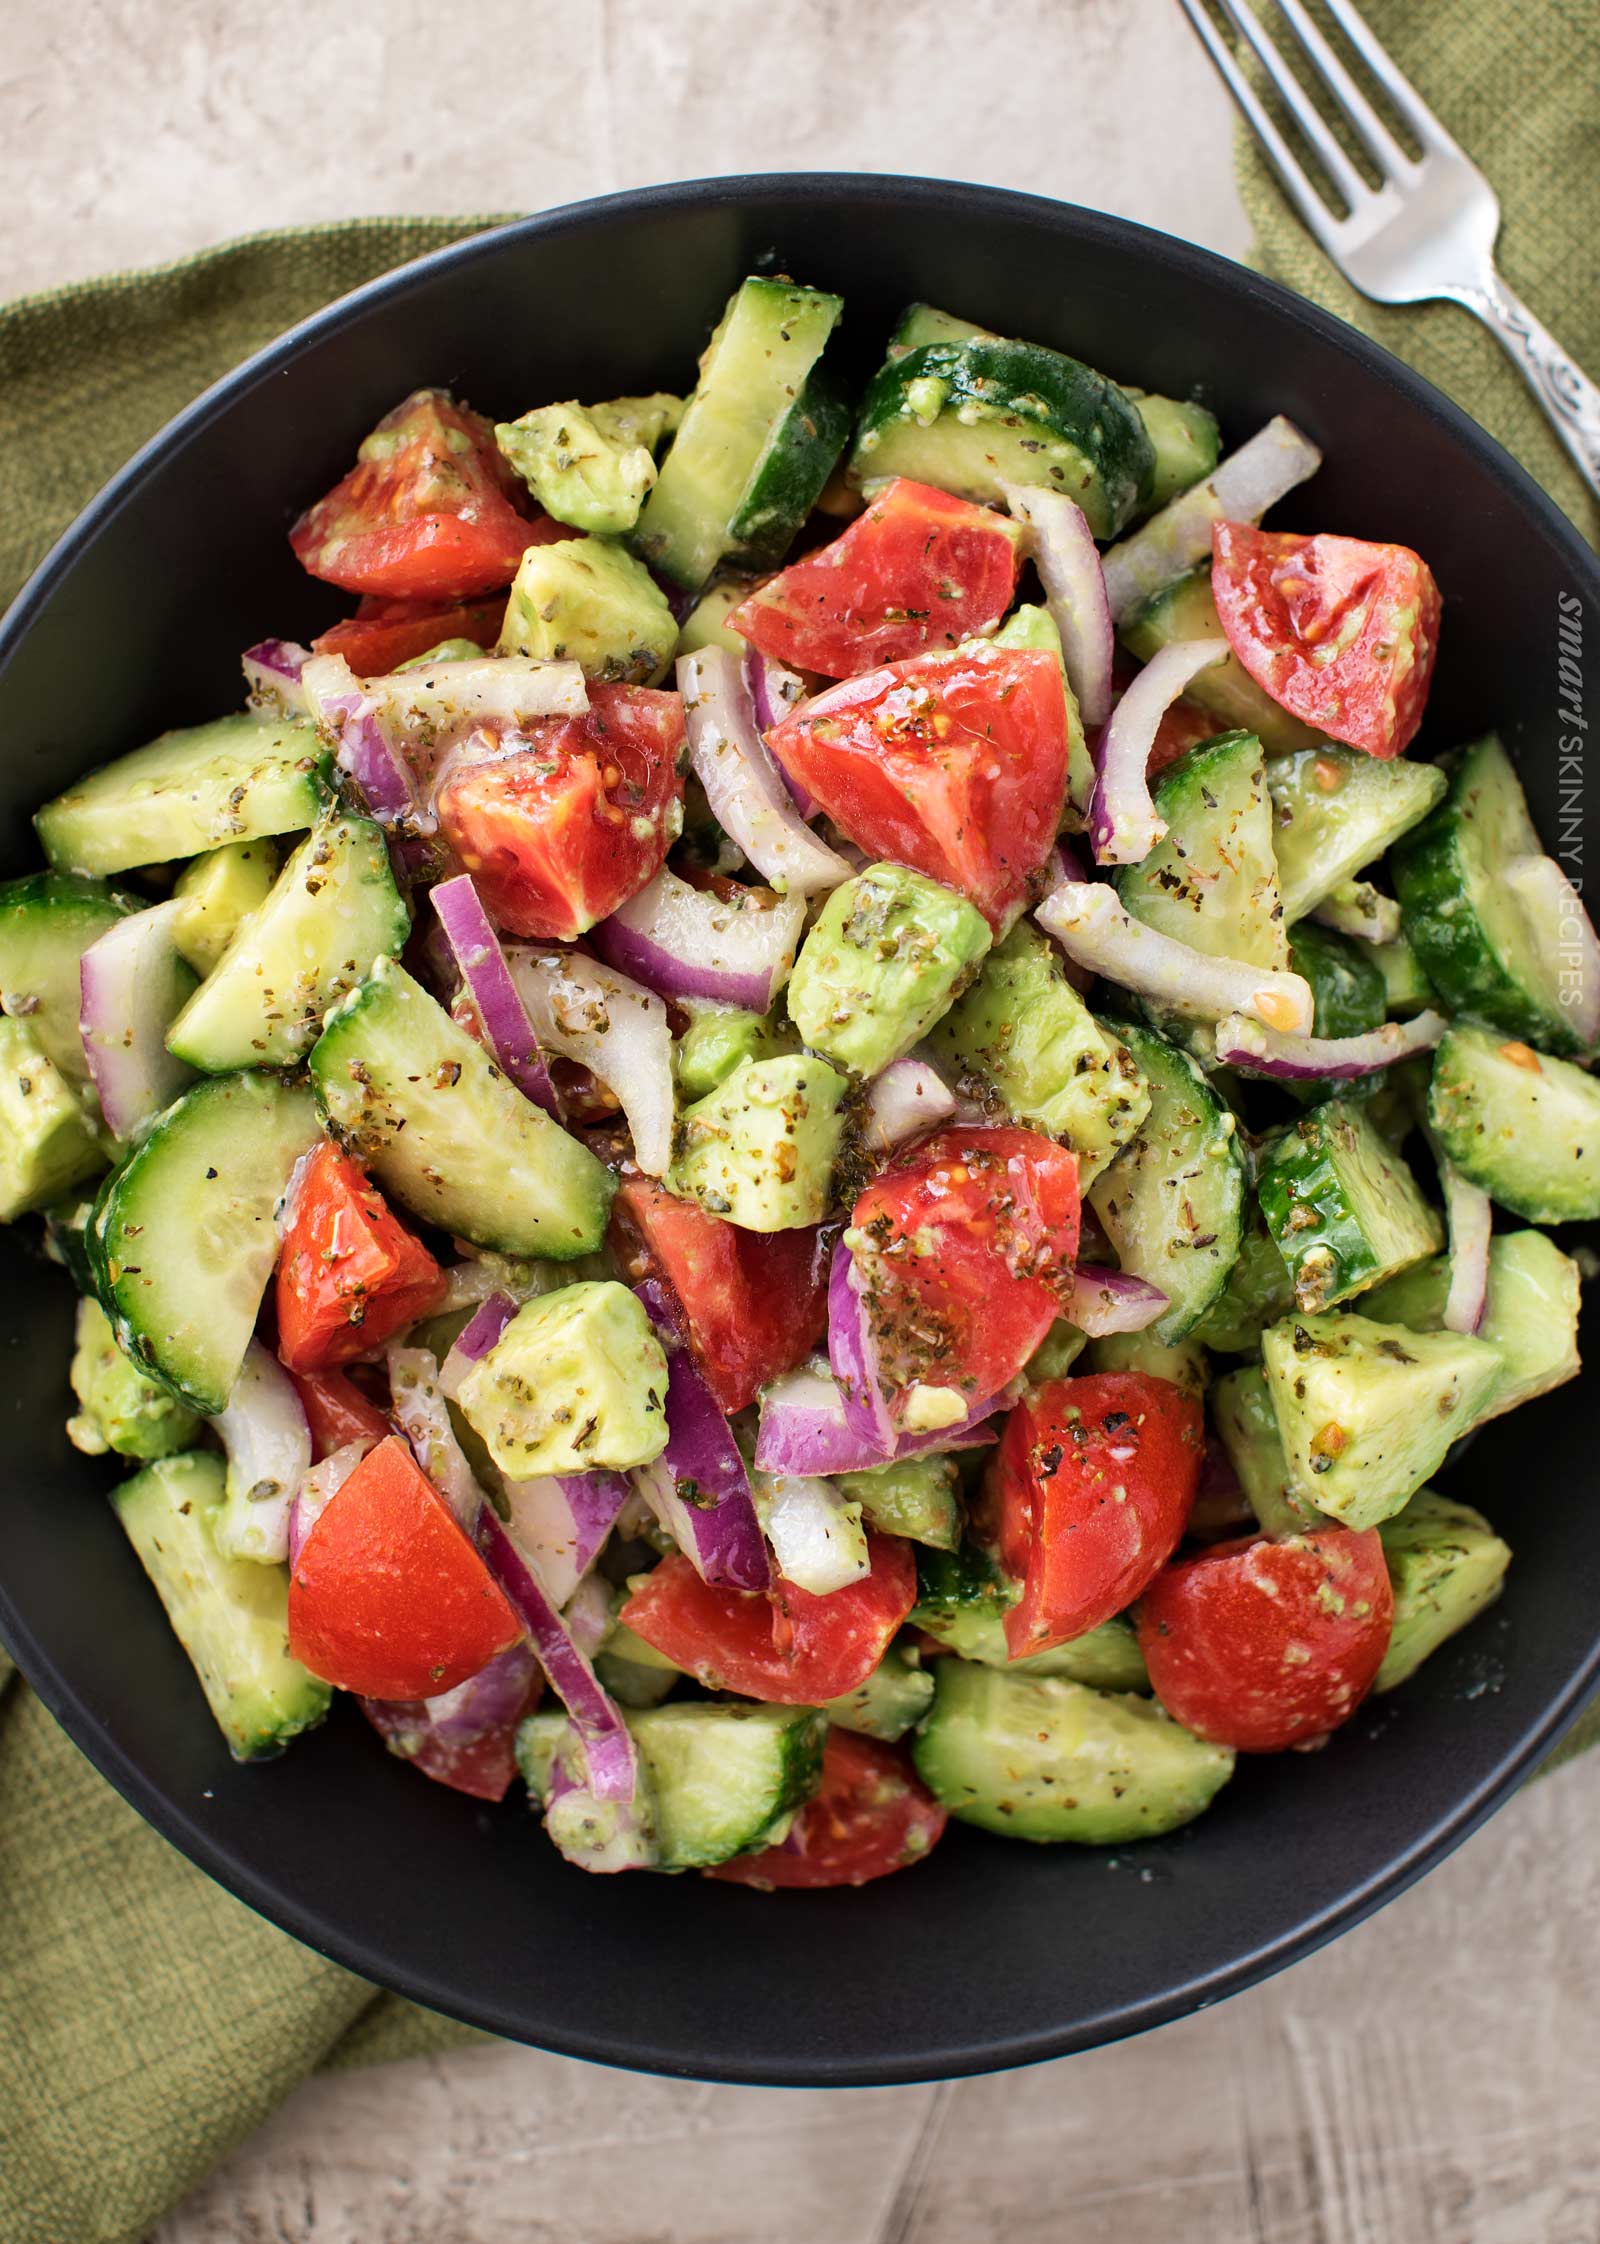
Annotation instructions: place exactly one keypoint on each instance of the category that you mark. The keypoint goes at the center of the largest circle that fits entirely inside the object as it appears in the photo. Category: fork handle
(1570, 400)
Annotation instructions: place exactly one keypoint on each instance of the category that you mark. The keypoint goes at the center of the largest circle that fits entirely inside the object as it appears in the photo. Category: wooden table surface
(1434, 2078)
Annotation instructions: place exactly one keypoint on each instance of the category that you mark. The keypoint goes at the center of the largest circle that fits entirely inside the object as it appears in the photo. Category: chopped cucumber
(1531, 1314)
(1465, 920)
(917, 1497)
(1344, 1210)
(1187, 443)
(422, 1104)
(1247, 1427)
(1056, 1353)
(1406, 988)
(184, 1236)
(925, 323)
(962, 1600)
(47, 922)
(230, 780)
(1446, 1563)
(1172, 1202)
(1335, 810)
(1183, 1362)
(120, 1407)
(1039, 1757)
(1186, 610)
(332, 911)
(1347, 996)
(806, 447)
(47, 1141)
(230, 1615)
(1259, 1291)
(214, 893)
(1524, 1126)
(633, 1671)
(892, 1700)
(706, 624)
(1368, 1411)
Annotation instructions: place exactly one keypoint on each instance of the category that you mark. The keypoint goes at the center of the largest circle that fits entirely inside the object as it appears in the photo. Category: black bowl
(991, 1954)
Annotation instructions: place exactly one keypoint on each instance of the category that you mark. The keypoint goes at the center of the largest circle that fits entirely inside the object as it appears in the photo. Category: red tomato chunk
(350, 1274)
(872, 1816)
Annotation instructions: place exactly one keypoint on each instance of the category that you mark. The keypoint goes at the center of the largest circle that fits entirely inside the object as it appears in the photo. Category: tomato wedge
(919, 569)
(561, 835)
(754, 1303)
(1264, 1645)
(954, 764)
(337, 1411)
(784, 1645)
(964, 1253)
(382, 634)
(1340, 631)
(390, 1596)
(350, 1274)
(429, 512)
(480, 1761)
(1087, 1497)
(872, 1815)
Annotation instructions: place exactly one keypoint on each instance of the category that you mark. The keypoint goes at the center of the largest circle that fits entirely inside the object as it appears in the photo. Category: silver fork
(1428, 230)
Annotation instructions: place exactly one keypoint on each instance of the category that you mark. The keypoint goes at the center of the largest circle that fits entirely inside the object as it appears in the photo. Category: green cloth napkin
(151, 2020)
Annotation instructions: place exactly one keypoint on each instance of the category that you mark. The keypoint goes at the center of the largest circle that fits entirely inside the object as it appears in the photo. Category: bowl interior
(991, 1953)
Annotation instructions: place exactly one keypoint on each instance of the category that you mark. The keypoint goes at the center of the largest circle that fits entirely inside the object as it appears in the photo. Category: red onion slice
(803, 1429)
(1355, 907)
(272, 673)
(906, 1099)
(473, 1342)
(588, 1613)
(1243, 487)
(1064, 553)
(1088, 921)
(816, 1535)
(501, 1014)
(1565, 936)
(318, 1487)
(1123, 823)
(1106, 1301)
(685, 942)
(417, 1405)
(1470, 1215)
(590, 1013)
(698, 1487)
(1246, 1045)
(853, 1359)
(268, 1443)
(775, 689)
(345, 710)
(748, 795)
(445, 1737)
(561, 1521)
(132, 984)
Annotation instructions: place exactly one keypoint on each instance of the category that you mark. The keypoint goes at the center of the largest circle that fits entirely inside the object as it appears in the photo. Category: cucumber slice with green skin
(893, 1699)
(1406, 988)
(332, 910)
(231, 1615)
(1465, 921)
(1259, 1291)
(230, 780)
(1347, 998)
(962, 1600)
(971, 416)
(424, 1107)
(925, 323)
(918, 1498)
(1336, 810)
(1187, 443)
(1344, 1211)
(47, 922)
(1446, 1564)
(1186, 610)
(1040, 1757)
(1366, 1411)
(1172, 1202)
(805, 449)
(1530, 1315)
(1247, 1427)
(1522, 1125)
(752, 377)
(184, 1237)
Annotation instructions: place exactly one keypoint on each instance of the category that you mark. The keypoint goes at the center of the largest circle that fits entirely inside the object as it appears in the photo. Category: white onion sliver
(1088, 921)
(1244, 1043)
(816, 1534)
(272, 671)
(1064, 553)
(747, 793)
(418, 1406)
(1470, 1215)
(132, 984)
(346, 712)
(594, 1015)
(1355, 907)
(909, 1096)
(1123, 823)
(1242, 488)
(1566, 938)
(319, 1485)
(268, 1442)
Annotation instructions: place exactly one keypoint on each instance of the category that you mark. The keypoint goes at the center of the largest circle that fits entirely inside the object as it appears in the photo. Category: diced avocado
(230, 1615)
(1406, 988)
(1336, 810)
(445, 650)
(1446, 1563)
(1187, 440)
(634, 1672)
(1345, 1211)
(1186, 610)
(720, 1038)
(1039, 1757)
(1367, 1411)
(1247, 1427)
(217, 891)
(1521, 1124)
(962, 1600)
(119, 1407)
(587, 601)
(576, 471)
(706, 624)
(47, 922)
(577, 1382)
(1531, 1314)
(1023, 1032)
(917, 1497)
(761, 1148)
(1181, 1361)
(894, 1697)
(1034, 629)
(1259, 1291)
(46, 1141)
(1056, 1353)
(883, 959)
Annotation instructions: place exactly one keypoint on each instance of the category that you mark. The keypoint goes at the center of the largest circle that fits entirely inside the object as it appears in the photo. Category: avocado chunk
(584, 600)
(761, 1148)
(883, 959)
(917, 1497)
(1247, 1427)
(1531, 1314)
(120, 1408)
(1181, 1361)
(1367, 1411)
(706, 624)
(215, 892)
(1056, 1353)
(1040, 1757)
(576, 1383)
(1023, 1032)
(1345, 1212)
(1187, 441)
(1446, 1563)
(1034, 629)
(962, 1601)
(1259, 1291)
(46, 1142)
(591, 467)
(720, 1038)
(894, 1696)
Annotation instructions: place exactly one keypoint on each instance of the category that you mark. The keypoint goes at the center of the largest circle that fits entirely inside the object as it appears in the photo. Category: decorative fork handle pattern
(1570, 400)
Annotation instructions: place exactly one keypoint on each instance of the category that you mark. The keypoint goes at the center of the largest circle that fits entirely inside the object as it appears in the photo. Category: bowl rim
(412, 1977)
